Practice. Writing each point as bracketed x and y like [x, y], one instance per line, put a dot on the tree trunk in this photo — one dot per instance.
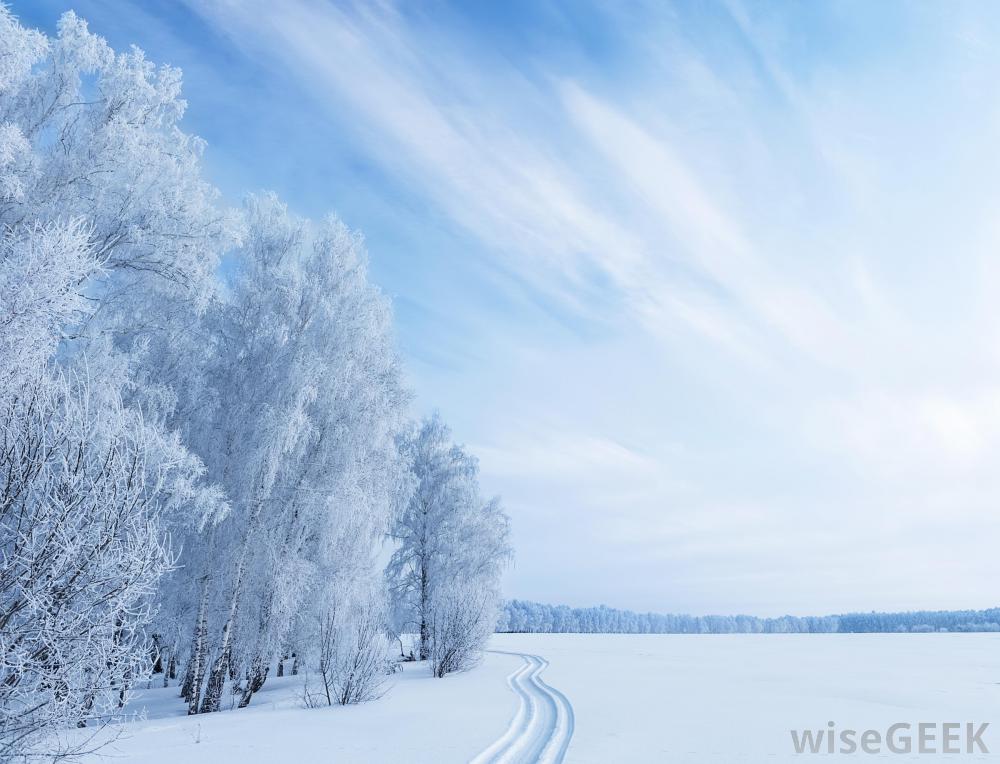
[255, 680]
[196, 665]
[157, 656]
[220, 668]
[261, 663]
[88, 704]
[188, 684]
[425, 635]
[127, 674]
[197, 677]
[217, 678]
[216, 682]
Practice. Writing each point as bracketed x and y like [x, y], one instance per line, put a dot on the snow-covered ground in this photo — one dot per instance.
[612, 698]
[419, 719]
[735, 698]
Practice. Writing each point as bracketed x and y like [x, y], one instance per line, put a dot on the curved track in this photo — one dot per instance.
[543, 724]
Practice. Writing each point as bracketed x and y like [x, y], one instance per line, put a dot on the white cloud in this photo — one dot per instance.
[790, 255]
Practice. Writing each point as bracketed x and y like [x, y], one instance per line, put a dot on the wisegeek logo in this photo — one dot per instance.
[902, 737]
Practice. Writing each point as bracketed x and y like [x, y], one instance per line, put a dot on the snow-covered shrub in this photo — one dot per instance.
[81, 549]
[462, 618]
[81, 479]
[351, 653]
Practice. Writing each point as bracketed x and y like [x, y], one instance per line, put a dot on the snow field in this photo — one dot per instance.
[695, 699]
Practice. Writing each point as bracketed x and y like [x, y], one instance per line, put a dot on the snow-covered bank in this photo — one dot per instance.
[420, 719]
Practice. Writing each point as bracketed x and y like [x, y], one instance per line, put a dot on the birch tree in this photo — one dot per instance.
[446, 535]
[107, 249]
[309, 403]
[83, 503]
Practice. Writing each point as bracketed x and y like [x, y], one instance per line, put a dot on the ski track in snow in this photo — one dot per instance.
[543, 725]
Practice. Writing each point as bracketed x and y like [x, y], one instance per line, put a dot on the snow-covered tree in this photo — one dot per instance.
[200, 466]
[83, 502]
[90, 138]
[521, 616]
[307, 406]
[82, 550]
[107, 248]
[91, 134]
[90, 145]
[448, 539]
[42, 269]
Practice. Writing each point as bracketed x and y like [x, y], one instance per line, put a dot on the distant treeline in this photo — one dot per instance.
[523, 616]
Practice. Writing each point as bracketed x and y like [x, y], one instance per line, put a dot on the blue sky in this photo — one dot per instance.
[713, 289]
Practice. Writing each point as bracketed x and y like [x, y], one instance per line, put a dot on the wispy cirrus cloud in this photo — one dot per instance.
[739, 266]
